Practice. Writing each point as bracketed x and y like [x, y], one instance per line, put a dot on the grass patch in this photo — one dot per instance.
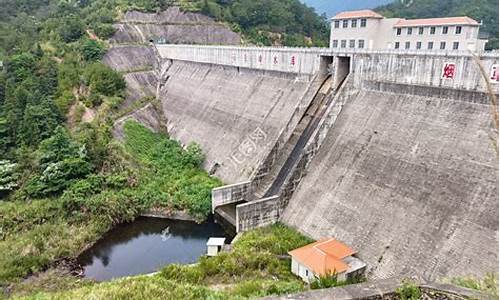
[409, 291]
[252, 270]
[488, 285]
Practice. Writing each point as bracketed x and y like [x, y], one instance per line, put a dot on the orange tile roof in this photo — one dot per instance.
[324, 256]
[365, 13]
[437, 21]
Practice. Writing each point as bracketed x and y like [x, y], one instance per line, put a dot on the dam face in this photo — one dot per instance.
[397, 160]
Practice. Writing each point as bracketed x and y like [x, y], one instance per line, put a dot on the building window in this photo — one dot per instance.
[442, 46]
[445, 29]
[421, 30]
[433, 30]
[455, 45]
[430, 45]
[396, 45]
[419, 45]
[336, 24]
[409, 30]
[343, 43]
[354, 23]
[335, 43]
[458, 30]
[345, 23]
[398, 31]
[363, 22]
[361, 44]
[407, 45]
[307, 273]
[352, 43]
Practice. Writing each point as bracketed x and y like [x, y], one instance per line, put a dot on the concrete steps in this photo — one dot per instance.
[294, 146]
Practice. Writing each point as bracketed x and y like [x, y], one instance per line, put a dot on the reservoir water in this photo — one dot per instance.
[145, 246]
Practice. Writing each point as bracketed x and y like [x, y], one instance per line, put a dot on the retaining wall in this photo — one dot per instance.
[257, 214]
[231, 194]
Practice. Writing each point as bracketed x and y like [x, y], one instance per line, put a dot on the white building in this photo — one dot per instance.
[370, 30]
[326, 257]
[215, 245]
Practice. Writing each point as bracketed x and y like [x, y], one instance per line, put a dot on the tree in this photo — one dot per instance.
[8, 177]
[92, 50]
[104, 80]
[61, 162]
[70, 29]
[2, 89]
[5, 138]
[20, 66]
[104, 31]
[39, 121]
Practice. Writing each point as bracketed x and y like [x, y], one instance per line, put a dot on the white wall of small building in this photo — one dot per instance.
[303, 272]
[307, 275]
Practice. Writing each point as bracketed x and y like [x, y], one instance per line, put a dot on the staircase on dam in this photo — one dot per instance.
[271, 186]
[290, 153]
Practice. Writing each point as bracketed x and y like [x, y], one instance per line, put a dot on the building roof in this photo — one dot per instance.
[353, 14]
[437, 22]
[213, 241]
[324, 256]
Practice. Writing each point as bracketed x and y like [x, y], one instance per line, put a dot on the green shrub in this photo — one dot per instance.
[325, 281]
[409, 291]
[184, 274]
[8, 177]
[104, 80]
[71, 29]
[92, 50]
[61, 161]
[104, 31]
[489, 284]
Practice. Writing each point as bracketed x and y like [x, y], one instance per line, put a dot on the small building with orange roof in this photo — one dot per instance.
[326, 257]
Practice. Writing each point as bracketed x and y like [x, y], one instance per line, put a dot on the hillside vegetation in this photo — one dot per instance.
[480, 10]
[253, 269]
[150, 171]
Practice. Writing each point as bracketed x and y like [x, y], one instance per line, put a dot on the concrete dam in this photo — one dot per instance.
[392, 152]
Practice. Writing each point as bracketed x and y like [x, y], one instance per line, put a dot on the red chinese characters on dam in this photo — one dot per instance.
[494, 73]
[449, 71]
[293, 59]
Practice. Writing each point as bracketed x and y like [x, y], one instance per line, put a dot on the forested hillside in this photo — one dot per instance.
[480, 10]
[287, 22]
[51, 50]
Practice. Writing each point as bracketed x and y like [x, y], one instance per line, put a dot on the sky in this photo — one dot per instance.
[331, 7]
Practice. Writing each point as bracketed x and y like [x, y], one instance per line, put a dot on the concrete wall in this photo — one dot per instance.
[422, 70]
[408, 67]
[231, 194]
[386, 289]
[236, 115]
[173, 26]
[289, 60]
[411, 182]
[257, 214]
